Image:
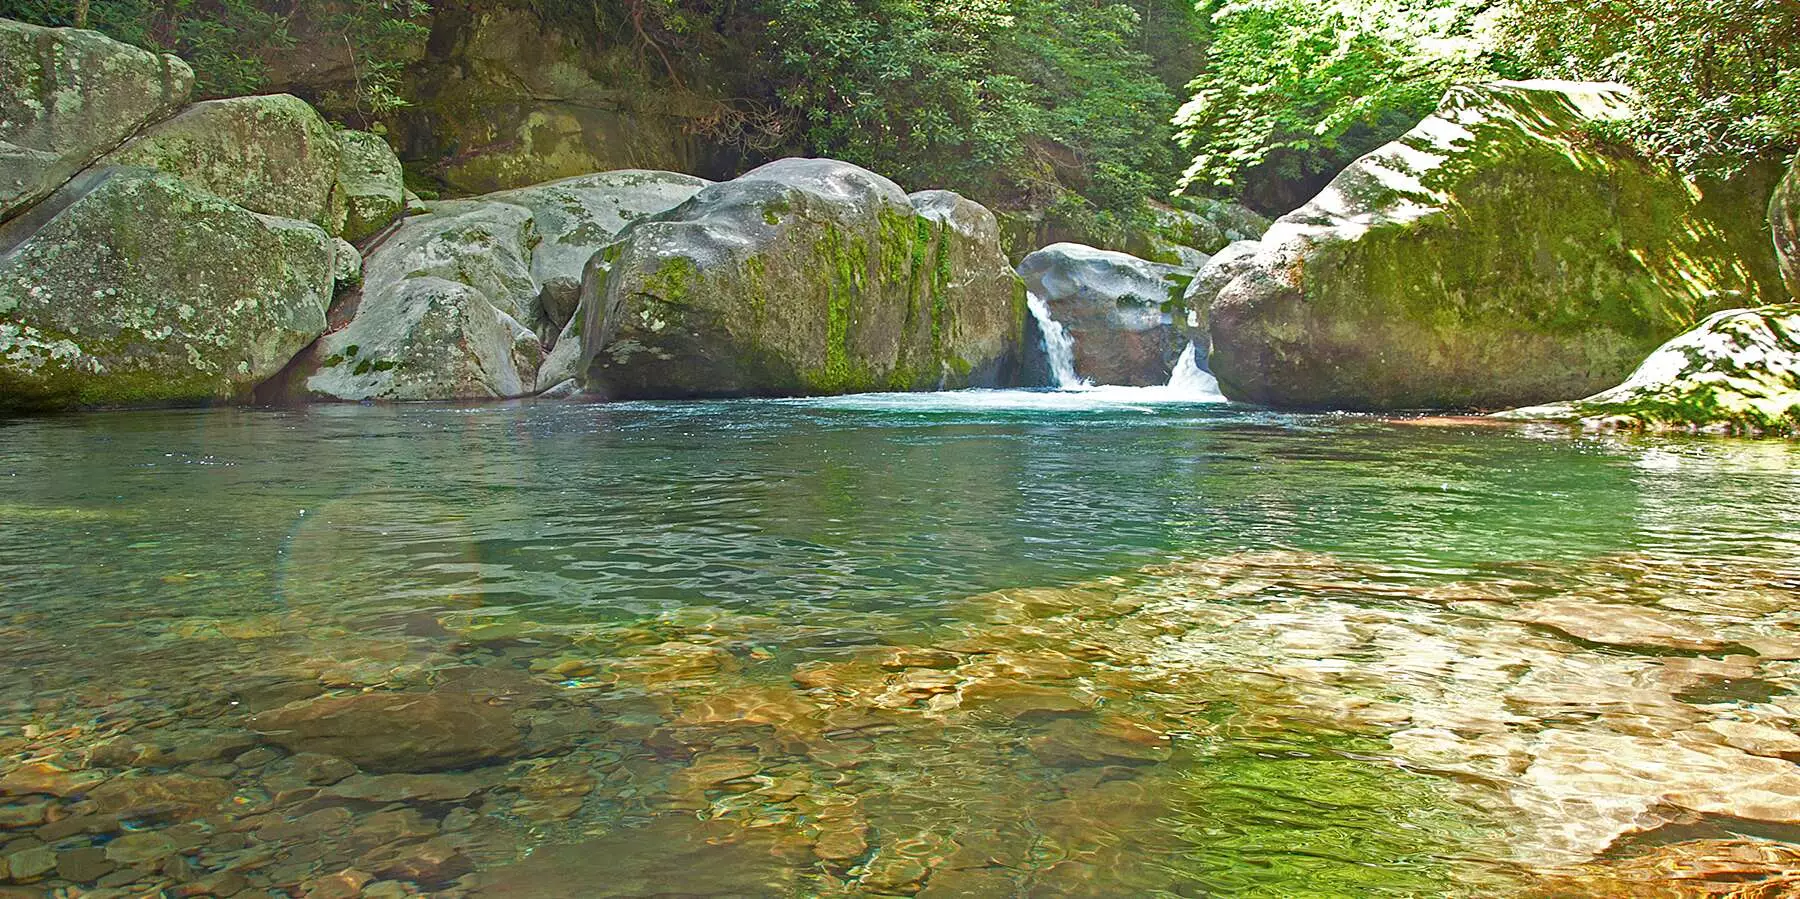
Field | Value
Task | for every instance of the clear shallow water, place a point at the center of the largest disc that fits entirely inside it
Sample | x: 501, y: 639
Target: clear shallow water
x: 1003, y: 643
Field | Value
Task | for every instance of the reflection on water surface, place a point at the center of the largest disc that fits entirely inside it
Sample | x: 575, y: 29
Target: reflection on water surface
x: 950, y: 646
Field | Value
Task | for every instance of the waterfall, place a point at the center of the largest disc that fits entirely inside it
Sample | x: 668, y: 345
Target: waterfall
x: 1189, y: 380
x: 1058, y: 345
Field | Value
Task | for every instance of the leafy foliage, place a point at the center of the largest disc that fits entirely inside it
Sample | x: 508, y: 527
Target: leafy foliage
x: 1291, y: 89
x: 1719, y: 79
x: 1004, y: 99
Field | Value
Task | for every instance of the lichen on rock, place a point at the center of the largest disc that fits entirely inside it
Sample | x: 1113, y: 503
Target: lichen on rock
x: 129, y: 287
x: 270, y: 154
x: 70, y: 96
x: 369, y: 184
x: 467, y: 299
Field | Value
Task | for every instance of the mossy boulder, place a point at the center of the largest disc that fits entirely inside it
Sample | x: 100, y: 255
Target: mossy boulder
x: 1737, y: 373
x: 370, y: 191
x: 271, y: 154
x: 803, y: 277
x: 1784, y: 223
x: 1499, y: 254
x: 466, y: 299
x: 130, y: 287
x: 67, y: 97
x: 1122, y: 311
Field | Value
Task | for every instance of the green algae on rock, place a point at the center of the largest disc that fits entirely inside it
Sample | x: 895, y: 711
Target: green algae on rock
x: 71, y: 96
x: 271, y: 154
x: 1497, y: 255
x: 805, y: 276
x: 130, y: 286
x: 1737, y: 373
x: 574, y: 217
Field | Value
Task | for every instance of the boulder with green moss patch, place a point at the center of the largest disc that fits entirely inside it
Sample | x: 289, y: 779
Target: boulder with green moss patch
x: 1121, y: 311
x: 1738, y: 373
x: 131, y: 287
x: 1497, y: 255
x: 805, y: 276
x: 370, y: 190
x: 69, y: 96
x: 270, y: 154
x: 467, y: 299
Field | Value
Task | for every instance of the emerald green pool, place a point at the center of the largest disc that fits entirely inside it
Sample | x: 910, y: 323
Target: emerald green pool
x: 978, y: 644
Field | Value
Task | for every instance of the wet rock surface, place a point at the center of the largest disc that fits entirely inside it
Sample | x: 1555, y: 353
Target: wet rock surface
x: 1737, y: 372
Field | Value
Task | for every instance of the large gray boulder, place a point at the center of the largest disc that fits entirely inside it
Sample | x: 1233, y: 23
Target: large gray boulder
x: 574, y: 217
x: 805, y: 276
x: 271, y: 154
x: 441, y: 314
x: 1738, y: 373
x: 130, y: 287
x: 463, y: 300
x: 370, y: 190
x: 1494, y: 256
x: 69, y: 96
x: 1122, y: 311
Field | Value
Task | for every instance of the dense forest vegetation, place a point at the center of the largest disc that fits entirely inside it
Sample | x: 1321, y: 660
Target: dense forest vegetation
x: 1086, y: 109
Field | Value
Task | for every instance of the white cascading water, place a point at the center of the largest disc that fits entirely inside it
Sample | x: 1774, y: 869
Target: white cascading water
x: 1058, y: 345
x: 1189, y: 380
x: 1188, y: 384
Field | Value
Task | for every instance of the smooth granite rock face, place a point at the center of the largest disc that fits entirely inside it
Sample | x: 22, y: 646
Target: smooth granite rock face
x: 1119, y: 309
x: 68, y: 96
x: 1737, y: 373
x: 130, y: 287
x: 803, y: 277
x: 271, y: 154
x: 1494, y: 256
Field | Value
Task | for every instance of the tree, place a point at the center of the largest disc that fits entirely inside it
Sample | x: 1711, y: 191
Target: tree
x: 1290, y: 91
x: 1719, y: 80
